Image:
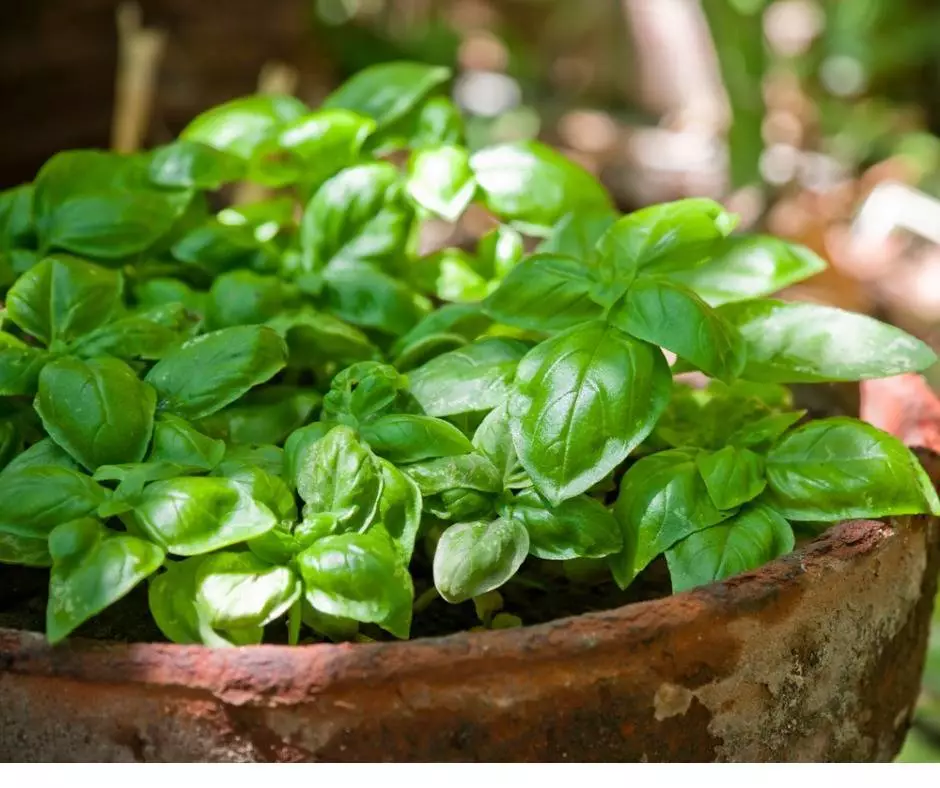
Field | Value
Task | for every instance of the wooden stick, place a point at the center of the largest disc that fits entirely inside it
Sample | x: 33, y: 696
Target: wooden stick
x: 139, y: 54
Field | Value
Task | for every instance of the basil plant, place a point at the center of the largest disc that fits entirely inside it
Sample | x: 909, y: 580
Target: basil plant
x: 282, y: 417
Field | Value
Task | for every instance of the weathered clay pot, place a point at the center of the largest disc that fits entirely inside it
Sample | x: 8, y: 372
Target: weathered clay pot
x: 816, y: 656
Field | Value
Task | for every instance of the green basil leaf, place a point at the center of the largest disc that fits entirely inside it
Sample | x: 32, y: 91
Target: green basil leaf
x: 582, y: 401
x: 266, y: 456
x: 19, y: 369
x: 38, y: 498
x: 750, y: 539
x: 340, y: 476
x: 387, y: 91
x: 461, y: 471
x: 460, y: 505
x: 359, y: 576
x: 215, y: 247
x: 664, y: 238
x: 42, y: 453
x: 92, y: 569
x: 97, y: 410
x: 576, y: 235
x: 580, y: 527
x: 359, y: 215
x: 211, y: 371
x: 299, y: 452
x: 165, y: 291
x: 672, y: 317
x: 188, y: 164
x: 423, y: 350
x: 544, y: 293
x: 662, y: 500
x: 316, y: 338
x: 62, y: 297
x: 367, y: 297
x: 239, y: 126
x: 400, y: 507
x: 176, y: 440
x: 758, y: 433
x: 101, y: 205
x: 11, y: 441
x: 266, y: 219
x: 239, y: 590
x: 499, y: 251
x: 146, y: 335
x: 195, y: 515
x: 132, y: 477
x: 16, y: 217
x: 493, y: 439
x: 749, y: 266
x: 24, y: 550
x: 240, y: 298
x: 466, y: 320
x: 265, y: 487
x: 474, y: 378
x: 436, y: 122
x: 441, y: 181
x: 474, y: 558
x: 732, y: 476
x: 791, y: 342
x: 365, y: 391
x: 172, y: 599
x: 404, y: 438
x: 534, y: 186
x: 840, y: 468
x: 451, y: 275
x: 270, y: 413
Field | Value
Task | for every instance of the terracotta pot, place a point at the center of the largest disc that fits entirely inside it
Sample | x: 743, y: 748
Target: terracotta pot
x: 815, y: 657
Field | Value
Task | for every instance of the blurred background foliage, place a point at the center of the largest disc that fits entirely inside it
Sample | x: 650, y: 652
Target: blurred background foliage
x: 793, y: 112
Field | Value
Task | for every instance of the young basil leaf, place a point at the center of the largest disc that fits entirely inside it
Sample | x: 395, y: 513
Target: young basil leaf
x: 101, y: 205
x: 451, y: 275
x: 749, y: 266
x: 474, y: 378
x: 24, y: 550
x: 441, y: 181
x: 405, y: 437
x: 267, y: 219
x: 732, y: 476
x: 45, y: 452
x: 132, y: 477
x: 386, y: 92
x: 62, y: 297
x: 214, y: 247
x: 759, y: 433
x: 97, y: 410
x: 195, y: 515
x: 172, y: 600
x: 461, y: 471
x: 299, y: 450
x: 324, y: 142
x: 662, y: 501
x: 582, y: 402
x: 92, y: 569
x: 365, y: 391
x: 474, y: 558
x: 672, y: 317
x: 239, y: 590
x: 576, y: 235
x: 580, y: 527
x: 334, y: 628
x: 544, y: 293
x: 499, y: 251
x: 437, y: 121
x: 266, y: 414
x: 460, y: 505
x: 840, y: 468
x: 239, y: 126
x: 367, y: 297
x: 359, y: 215
x: 534, y: 186
x: 316, y: 338
x: 340, y: 476
x: 427, y: 348
x: 752, y: 538
x: 188, y: 164
x: 400, y: 507
x: 808, y: 343
x: 19, y: 369
x: 211, y: 371
x: 240, y: 298
x: 37, y: 498
x: 359, y: 576
x: 493, y: 439
x: 265, y: 456
x: 264, y: 487
x: 176, y: 440
x: 664, y: 238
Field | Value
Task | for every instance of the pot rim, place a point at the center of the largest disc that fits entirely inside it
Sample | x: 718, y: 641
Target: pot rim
x: 903, y: 405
